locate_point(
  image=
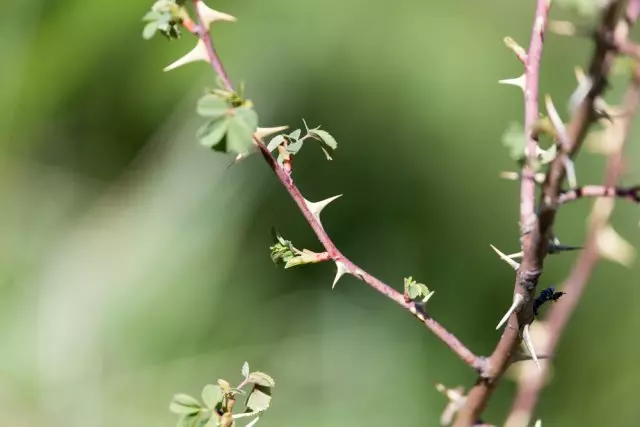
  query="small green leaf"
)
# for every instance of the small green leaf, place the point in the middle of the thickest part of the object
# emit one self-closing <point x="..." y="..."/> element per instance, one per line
<point x="513" y="138"/>
<point x="211" y="395"/>
<point x="245" y="369"/>
<point x="259" y="399"/>
<point x="242" y="125"/>
<point x="262" y="379"/>
<point x="152" y="16"/>
<point x="275" y="142"/>
<point x="295" y="135"/>
<point x="212" y="106"/>
<point x="212" y="133"/>
<point x="184" y="404"/>
<point x="325" y="137"/>
<point x="295" y="147"/>
<point x="149" y="30"/>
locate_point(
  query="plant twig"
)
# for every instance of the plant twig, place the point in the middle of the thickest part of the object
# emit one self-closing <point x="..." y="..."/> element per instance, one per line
<point x="574" y="285"/>
<point x="466" y="355"/>
<point x="536" y="230"/>
<point x="628" y="193"/>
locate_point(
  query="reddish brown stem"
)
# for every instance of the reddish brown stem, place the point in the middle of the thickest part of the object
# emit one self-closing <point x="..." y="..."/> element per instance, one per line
<point x="537" y="230"/>
<point x="574" y="285"/>
<point x="466" y="355"/>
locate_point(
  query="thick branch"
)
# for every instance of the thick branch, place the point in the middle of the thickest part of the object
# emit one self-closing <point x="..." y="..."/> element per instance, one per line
<point x="560" y="313"/>
<point x="468" y="357"/>
<point x="538" y="229"/>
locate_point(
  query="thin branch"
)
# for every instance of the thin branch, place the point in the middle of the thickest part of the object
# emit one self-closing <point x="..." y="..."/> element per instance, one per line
<point x="629" y="193"/>
<point x="537" y="230"/>
<point x="574" y="285"/>
<point x="466" y="355"/>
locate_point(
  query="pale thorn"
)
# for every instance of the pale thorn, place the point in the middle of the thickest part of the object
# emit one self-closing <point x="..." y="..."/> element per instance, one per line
<point x="556" y="121"/>
<point x="208" y="15"/>
<point x="511" y="176"/>
<point x="584" y="87"/>
<point x="198" y="53"/>
<point x="516" y="255"/>
<point x="613" y="247"/>
<point x="562" y="28"/>
<point x="526" y="338"/>
<point x="506" y="258"/>
<point x="517" y="302"/>
<point x="261" y="133"/>
<point x="514" y="176"/>
<point x="317" y="207"/>
<point x="538" y="423"/>
<point x="570" y="169"/>
<point x="518" y="81"/>
<point x="342" y="270"/>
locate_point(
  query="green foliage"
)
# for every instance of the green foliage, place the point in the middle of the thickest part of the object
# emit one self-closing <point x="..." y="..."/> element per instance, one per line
<point x="232" y="123"/>
<point x="416" y="292"/>
<point x="293" y="142"/>
<point x="165" y="16"/>
<point x="587" y="8"/>
<point x="283" y="252"/>
<point x="514" y="139"/>
<point x="219" y="401"/>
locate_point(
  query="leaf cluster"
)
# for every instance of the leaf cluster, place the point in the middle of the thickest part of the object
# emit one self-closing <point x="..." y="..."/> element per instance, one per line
<point x="166" y="17"/>
<point x="218" y="402"/>
<point x="232" y="122"/>
<point x="290" y="144"/>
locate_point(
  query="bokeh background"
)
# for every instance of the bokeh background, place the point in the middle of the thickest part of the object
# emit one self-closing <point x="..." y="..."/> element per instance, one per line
<point x="134" y="263"/>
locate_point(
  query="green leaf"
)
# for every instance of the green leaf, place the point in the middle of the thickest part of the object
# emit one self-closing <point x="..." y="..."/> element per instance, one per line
<point x="262" y="379"/>
<point x="513" y="139"/>
<point x="149" y="30"/>
<point x="211" y="395"/>
<point x="295" y="147"/>
<point x="213" y="132"/>
<point x="192" y="420"/>
<point x="152" y="16"/>
<point x="245" y="369"/>
<point x="212" y="106"/>
<point x="242" y="125"/>
<point x="259" y="399"/>
<point x="275" y="142"/>
<point x="327" y="141"/>
<point x="184" y="404"/>
<point x="295" y="135"/>
<point x="325" y="137"/>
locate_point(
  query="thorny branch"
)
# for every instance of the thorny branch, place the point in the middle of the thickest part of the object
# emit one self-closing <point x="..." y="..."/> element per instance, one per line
<point x="537" y="230"/>
<point x="345" y="266"/>
<point x="574" y="285"/>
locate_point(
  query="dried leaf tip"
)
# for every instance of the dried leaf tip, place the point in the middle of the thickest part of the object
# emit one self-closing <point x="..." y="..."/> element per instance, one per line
<point x="517" y="302"/>
<point x="198" y="53"/>
<point x="506" y="258"/>
<point x="208" y="15"/>
<point x="518" y="50"/>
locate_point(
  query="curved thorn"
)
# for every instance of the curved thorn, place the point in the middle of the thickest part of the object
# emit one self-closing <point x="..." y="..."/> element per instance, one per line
<point x="198" y="53"/>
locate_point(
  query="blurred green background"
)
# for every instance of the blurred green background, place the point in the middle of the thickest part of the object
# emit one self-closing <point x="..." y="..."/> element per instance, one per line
<point x="134" y="263"/>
